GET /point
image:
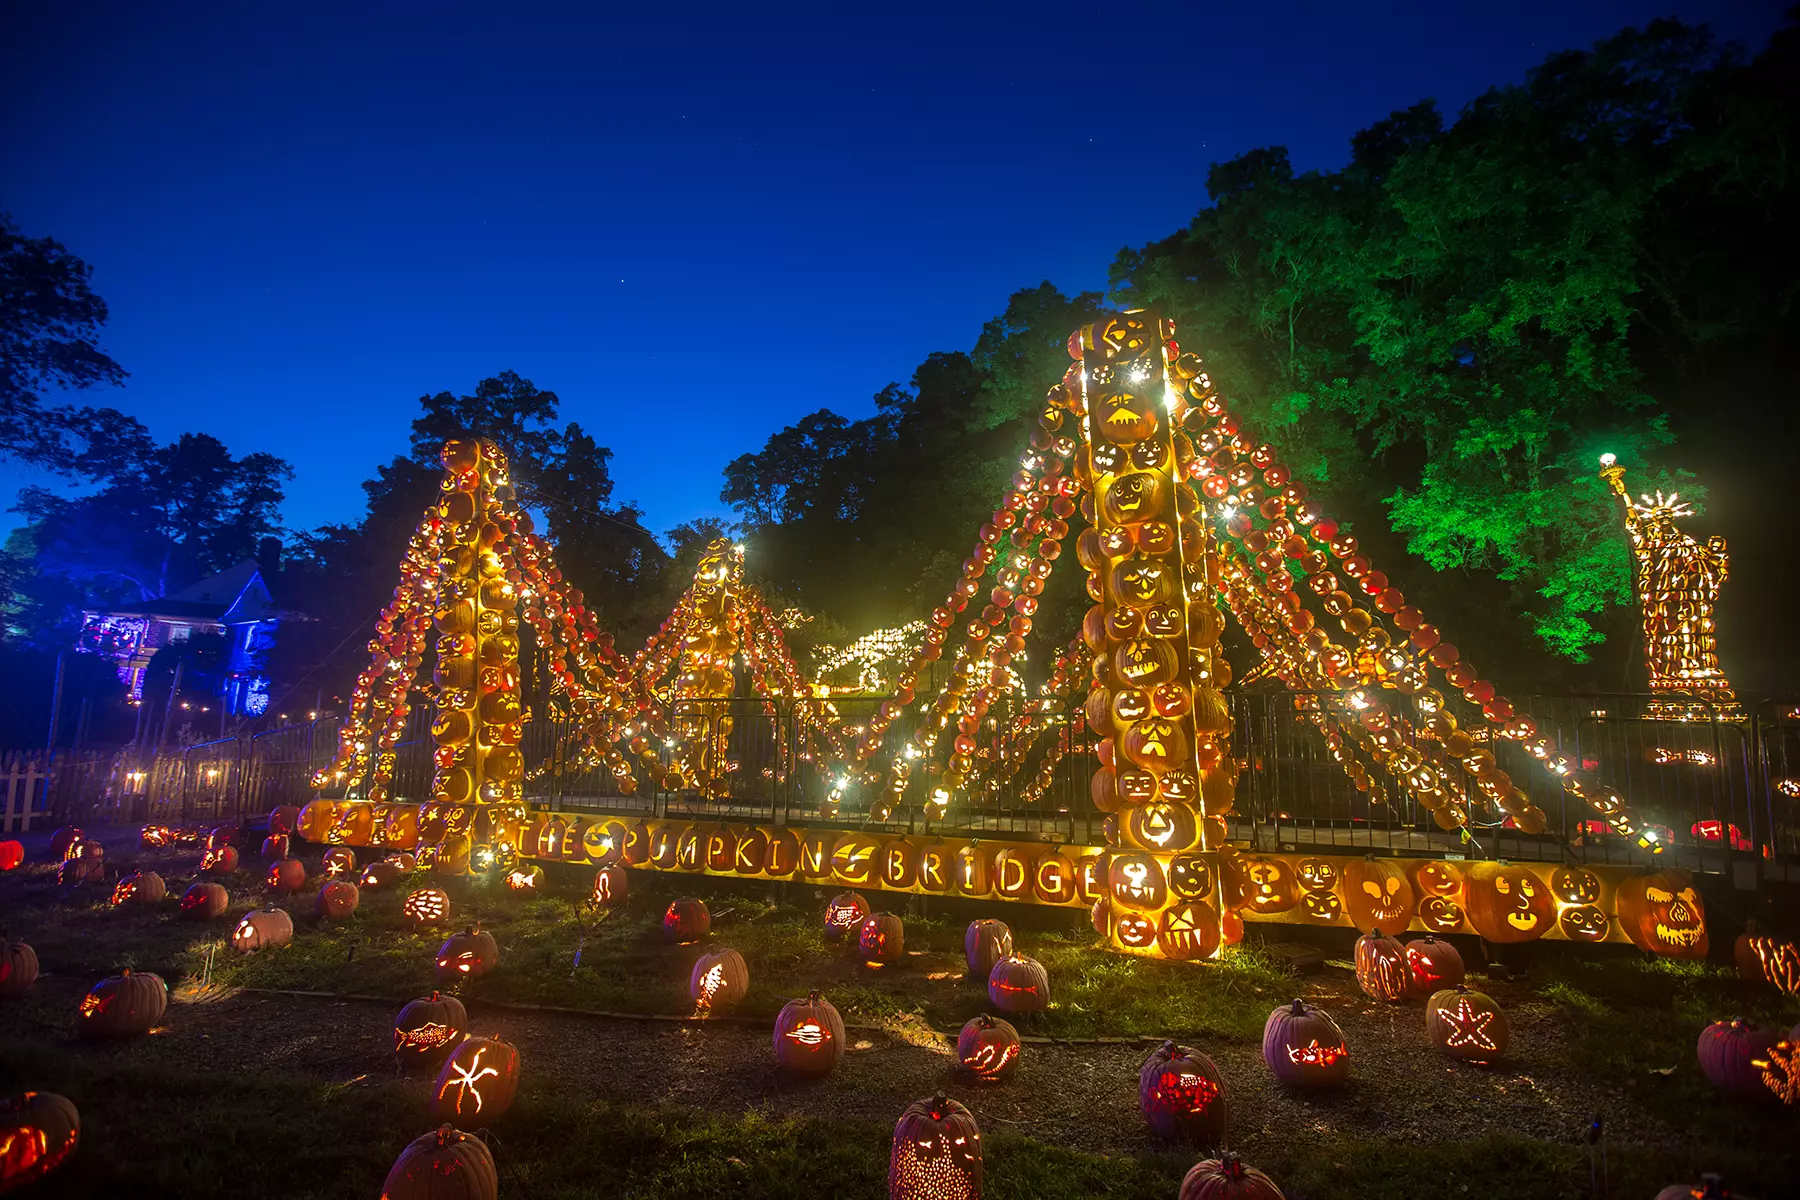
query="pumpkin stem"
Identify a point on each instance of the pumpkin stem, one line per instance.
(1169, 1048)
(1299, 1009)
(1231, 1166)
(986, 1021)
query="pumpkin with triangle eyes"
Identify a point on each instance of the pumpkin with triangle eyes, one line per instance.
(1162, 827)
(1125, 417)
(1508, 903)
(1575, 885)
(1324, 908)
(1189, 931)
(1141, 580)
(1376, 892)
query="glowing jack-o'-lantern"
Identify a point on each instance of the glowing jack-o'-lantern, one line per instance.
(123, 1005)
(1432, 966)
(1323, 907)
(1135, 930)
(1162, 826)
(1141, 580)
(719, 980)
(1269, 885)
(262, 929)
(427, 1029)
(1376, 892)
(1136, 881)
(526, 877)
(220, 860)
(809, 1036)
(1436, 878)
(443, 1154)
(1575, 885)
(1440, 914)
(1304, 1048)
(140, 887)
(427, 906)
(1182, 1095)
(204, 901)
(380, 874)
(1316, 874)
(1584, 923)
(1508, 904)
(1189, 931)
(287, 875)
(610, 886)
(1130, 704)
(936, 1153)
(1190, 877)
(477, 1083)
(1143, 662)
(986, 942)
(1467, 1025)
(339, 862)
(686, 920)
(1780, 1067)
(337, 898)
(1018, 985)
(1663, 913)
(881, 939)
(467, 955)
(38, 1130)
(1380, 966)
(988, 1047)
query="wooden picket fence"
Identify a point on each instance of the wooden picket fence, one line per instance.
(25, 775)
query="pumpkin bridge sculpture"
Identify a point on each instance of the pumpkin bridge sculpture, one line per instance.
(1187, 518)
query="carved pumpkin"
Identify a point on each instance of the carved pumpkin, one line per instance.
(986, 942)
(287, 875)
(1134, 930)
(1182, 1095)
(477, 1083)
(1768, 960)
(86, 865)
(337, 898)
(1305, 1048)
(284, 818)
(339, 862)
(1189, 932)
(204, 901)
(844, 915)
(1019, 986)
(427, 1029)
(1467, 1025)
(1227, 1178)
(275, 847)
(382, 873)
(1728, 1052)
(18, 968)
(1575, 885)
(1190, 877)
(38, 1130)
(686, 921)
(719, 980)
(1507, 904)
(467, 955)
(12, 854)
(1136, 881)
(988, 1047)
(1780, 1067)
(64, 842)
(936, 1153)
(219, 860)
(1380, 966)
(881, 939)
(1710, 1187)
(809, 1036)
(1325, 908)
(1162, 827)
(139, 887)
(1432, 966)
(526, 877)
(1376, 892)
(426, 906)
(611, 885)
(123, 1005)
(1269, 885)
(442, 1165)
(1440, 914)
(261, 929)
(1436, 878)
(1584, 923)
(1662, 912)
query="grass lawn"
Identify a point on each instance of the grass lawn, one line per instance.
(1611, 1028)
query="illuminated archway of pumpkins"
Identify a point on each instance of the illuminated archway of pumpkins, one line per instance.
(1188, 517)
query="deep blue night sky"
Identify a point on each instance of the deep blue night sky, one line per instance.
(303, 217)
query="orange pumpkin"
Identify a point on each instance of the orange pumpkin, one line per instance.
(1376, 893)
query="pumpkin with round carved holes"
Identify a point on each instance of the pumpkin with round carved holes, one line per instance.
(1466, 1024)
(445, 1164)
(1431, 966)
(1377, 892)
(844, 915)
(477, 1083)
(38, 1130)
(988, 1047)
(204, 901)
(1019, 986)
(936, 1153)
(809, 1036)
(1305, 1048)
(881, 940)
(139, 887)
(1728, 1052)
(261, 929)
(985, 942)
(337, 898)
(1507, 903)
(1662, 912)
(686, 921)
(1182, 1095)
(288, 875)
(426, 906)
(719, 980)
(427, 1029)
(1381, 966)
(1227, 1178)
(18, 968)
(467, 955)
(123, 1005)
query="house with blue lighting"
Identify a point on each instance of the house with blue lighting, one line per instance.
(235, 602)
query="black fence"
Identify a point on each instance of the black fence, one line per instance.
(1719, 795)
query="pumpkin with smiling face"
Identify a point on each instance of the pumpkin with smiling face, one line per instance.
(1144, 662)
(1190, 878)
(1508, 904)
(1663, 913)
(1584, 923)
(1269, 886)
(1323, 908)
(1440, 914)
(1437, 879)
(1376, 893)
(1316, 874)
(1162, 827)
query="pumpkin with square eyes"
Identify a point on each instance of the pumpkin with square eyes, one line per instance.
(1584, 923)
(1316, 874)
(1575, 885)
(1508, 904)
(1190, 878)
(1141, 580)
(1130, 704)
(1162, 827)
(1136, 785)
(1155, 742)
(1141, 662)
(1270, 885)
(1663, 913)
(1189, 931)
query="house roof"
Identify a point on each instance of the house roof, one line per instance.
(234, 595)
